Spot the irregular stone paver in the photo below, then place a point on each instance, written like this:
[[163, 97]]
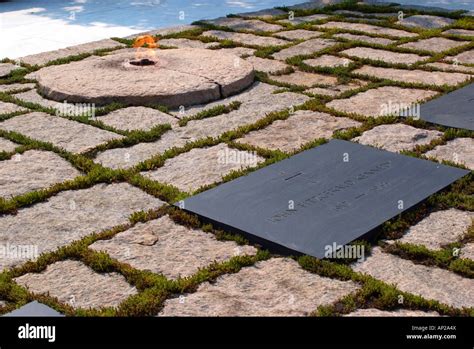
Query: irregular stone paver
[[298, 34], [7, 68], [7, 145], [276, 287], [310, 5], [271, 66], [381, 101], [327, 61], [364, 38], [7, 108], [165, 31], [429, 282], [383, 55], [33, 170], [182, 76], [15, 87], [397, 137], [32, 96], [186, 43], [466, 57], [304, 19], [458, 150], [462, 32], [245, 39], [69, 135], [202, 166], [467, 251], [434, 44], [300, 128], [239, 51], [74, 283], [425, 21], [257, 102], [137, 118], [369, 20], [363, 14], [253, 25], [266, 14], [71, 215], [393, 313], [367, 28], [414, 76], [334, 91], [439, 228], [167, 248], [45, 57], [451, 67], [130, 156], [305, 48], [304, 79]]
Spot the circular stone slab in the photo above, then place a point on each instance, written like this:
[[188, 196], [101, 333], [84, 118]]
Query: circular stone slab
[[179, 77]]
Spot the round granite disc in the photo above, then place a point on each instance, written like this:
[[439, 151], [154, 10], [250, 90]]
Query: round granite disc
[[179, 77]]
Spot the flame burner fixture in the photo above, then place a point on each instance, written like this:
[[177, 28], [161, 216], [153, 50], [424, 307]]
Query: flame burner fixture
[[142, 62]]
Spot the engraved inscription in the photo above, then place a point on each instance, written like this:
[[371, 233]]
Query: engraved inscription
[[326, 194]]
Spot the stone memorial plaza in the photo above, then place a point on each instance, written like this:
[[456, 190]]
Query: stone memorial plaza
[[99, 148]]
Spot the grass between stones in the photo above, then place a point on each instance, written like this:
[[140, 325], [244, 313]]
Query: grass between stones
[[154, 289], [208, 113]]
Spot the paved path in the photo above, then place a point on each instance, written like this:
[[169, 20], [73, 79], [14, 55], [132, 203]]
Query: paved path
[[92, 193]]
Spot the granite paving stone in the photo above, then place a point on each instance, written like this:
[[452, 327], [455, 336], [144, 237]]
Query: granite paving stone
[[397, 137], [45, 57], [367, 28], [305, 48], [74, 283], [383, 55], [298, 34], [327, 61], [270, 66], [245, 39], [301, 127], [429, 282], [137, 118], [305, 79], [434, 44], [33, 170], [276, 287], [69, 216], [425, 21], [364, 38], [167, 248], [386, 100], [438, 229], [202, 166], [458, 150], [7, 108], [252, 25], [70, 135], [414, 76]]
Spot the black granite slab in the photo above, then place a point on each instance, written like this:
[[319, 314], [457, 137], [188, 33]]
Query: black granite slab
[[316, 198], [455, 109], [34, 309]]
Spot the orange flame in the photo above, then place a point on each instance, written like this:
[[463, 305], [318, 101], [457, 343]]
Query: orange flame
[[145, 45]]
